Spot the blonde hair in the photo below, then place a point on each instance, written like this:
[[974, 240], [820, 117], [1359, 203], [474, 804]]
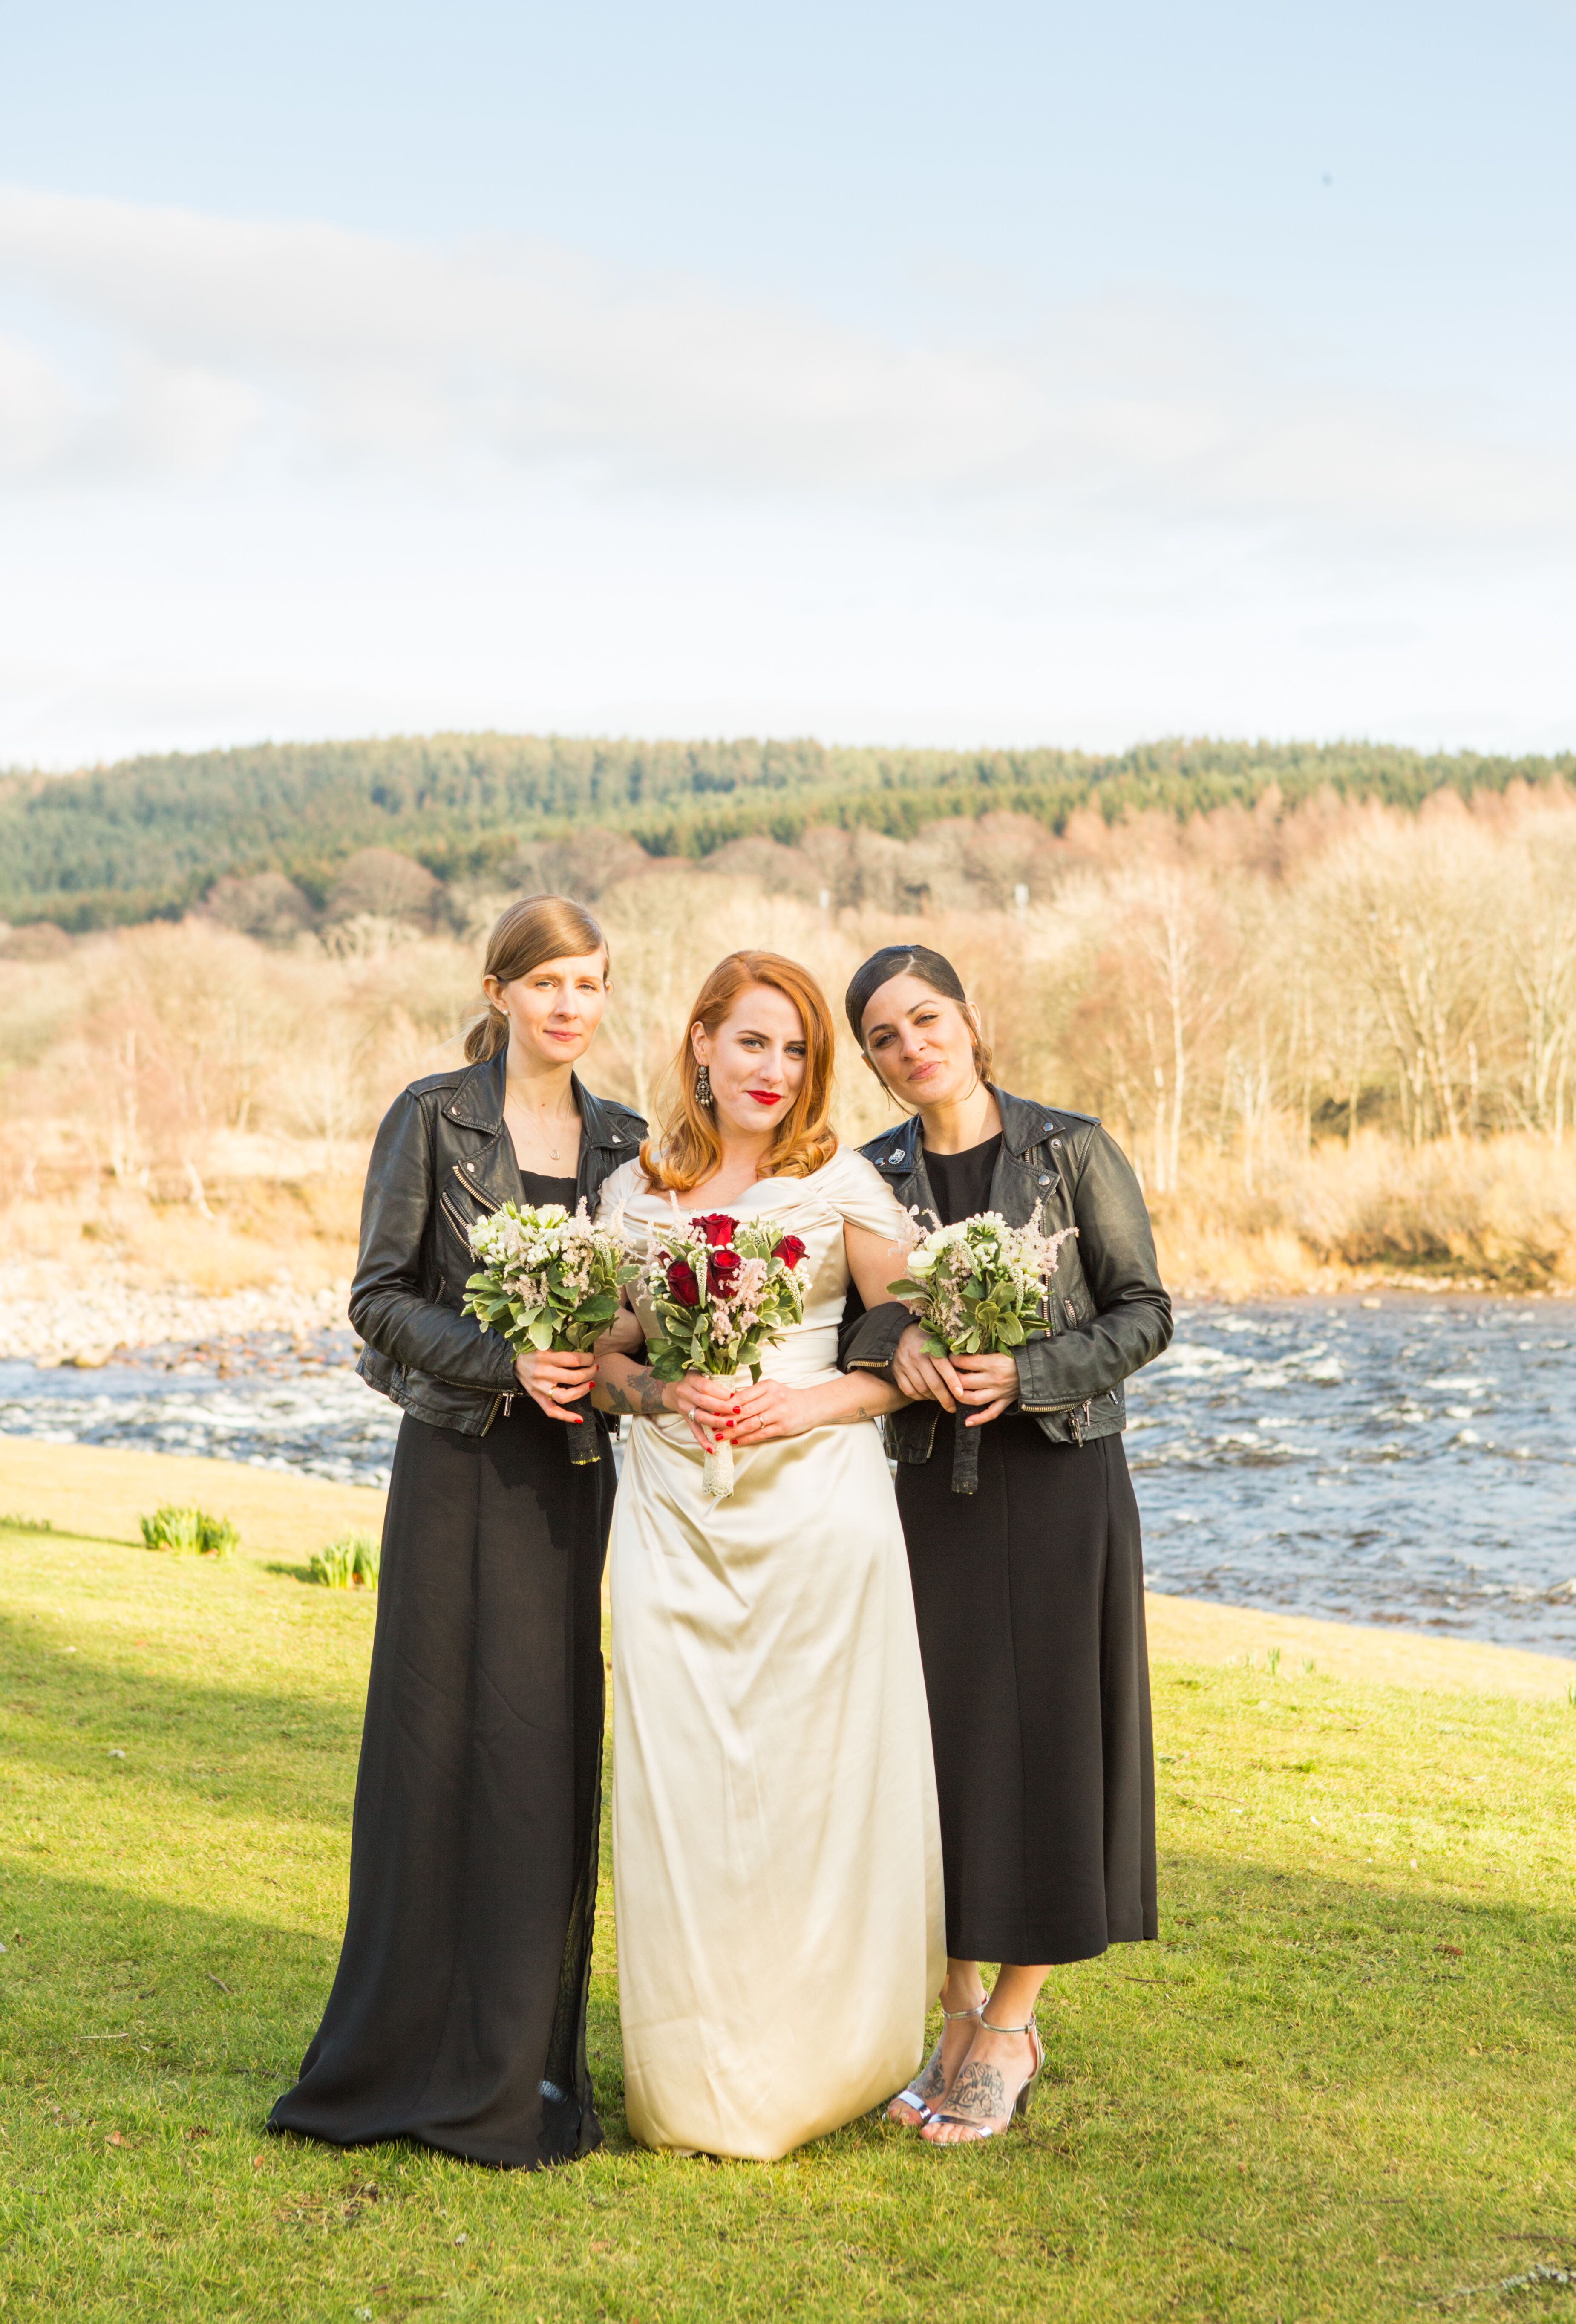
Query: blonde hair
[[524, 935], [690, 1149]]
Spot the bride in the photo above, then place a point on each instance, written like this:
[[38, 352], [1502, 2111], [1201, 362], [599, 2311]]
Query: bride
[[776, 1851]]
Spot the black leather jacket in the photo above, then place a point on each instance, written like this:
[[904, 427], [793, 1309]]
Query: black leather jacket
[[1109, 1312], [442, 1158]]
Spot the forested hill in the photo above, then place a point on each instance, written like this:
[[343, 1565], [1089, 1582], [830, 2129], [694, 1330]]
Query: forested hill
[[150, 836]]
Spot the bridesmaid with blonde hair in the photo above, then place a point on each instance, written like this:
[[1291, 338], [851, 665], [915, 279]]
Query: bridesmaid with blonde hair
[[457, 2015], [776, 1849]]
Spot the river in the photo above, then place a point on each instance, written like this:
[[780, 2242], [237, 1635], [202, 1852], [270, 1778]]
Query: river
[[1409, 1463]]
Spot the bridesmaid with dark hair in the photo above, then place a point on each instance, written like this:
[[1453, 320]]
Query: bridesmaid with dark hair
[[457, 2015], [1030, 1587]]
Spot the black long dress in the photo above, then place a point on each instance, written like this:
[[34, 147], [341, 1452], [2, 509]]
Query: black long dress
[[1029, 1597], [458, 2015]]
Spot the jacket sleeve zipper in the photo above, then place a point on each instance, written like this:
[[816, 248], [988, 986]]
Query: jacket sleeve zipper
[[1082, 1416]]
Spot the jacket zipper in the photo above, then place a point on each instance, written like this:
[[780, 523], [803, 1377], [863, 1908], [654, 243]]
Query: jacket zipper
[[474, 1191], [476, 1196], [453, 1218], [1081, 1416]]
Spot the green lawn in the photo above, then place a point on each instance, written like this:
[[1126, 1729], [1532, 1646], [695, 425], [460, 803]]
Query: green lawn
[[1343, 2087]]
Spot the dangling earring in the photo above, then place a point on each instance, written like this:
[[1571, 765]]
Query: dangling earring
[[703, 1086]]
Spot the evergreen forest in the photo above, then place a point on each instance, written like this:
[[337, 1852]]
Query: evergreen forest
[[150, 837]]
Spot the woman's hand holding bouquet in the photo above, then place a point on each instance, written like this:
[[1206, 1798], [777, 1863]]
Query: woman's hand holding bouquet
[[978, 1291], [724, 1290], [549, 1283]]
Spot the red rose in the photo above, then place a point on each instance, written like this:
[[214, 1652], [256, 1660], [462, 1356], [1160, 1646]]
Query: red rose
[[716, 1226], [681, 1282], [723, 1272], [790, 1250]]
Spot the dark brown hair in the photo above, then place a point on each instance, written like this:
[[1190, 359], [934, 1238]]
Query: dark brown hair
[[690, 1148], [536, 928], [932, 968]]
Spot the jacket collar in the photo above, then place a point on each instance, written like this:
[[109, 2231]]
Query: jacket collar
[[477, 1103], [899, 1151], [1023, 1122], [1023, 1125], [614, 1127], [476, 1100]]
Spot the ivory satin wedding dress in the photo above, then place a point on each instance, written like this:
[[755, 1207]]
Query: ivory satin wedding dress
[[776, 1861]]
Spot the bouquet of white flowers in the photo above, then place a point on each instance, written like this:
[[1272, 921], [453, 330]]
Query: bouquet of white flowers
[[549, 1278], [724, 1290], [979, 1288]]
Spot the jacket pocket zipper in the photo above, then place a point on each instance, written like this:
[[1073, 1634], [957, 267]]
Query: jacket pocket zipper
[[455, 1219], [474, 1192]]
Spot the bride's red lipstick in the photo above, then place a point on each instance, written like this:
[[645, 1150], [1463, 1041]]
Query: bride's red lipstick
[[765, 1097]]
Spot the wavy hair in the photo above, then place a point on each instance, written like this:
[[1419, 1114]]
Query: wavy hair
[[525, 934], [690, 1149]]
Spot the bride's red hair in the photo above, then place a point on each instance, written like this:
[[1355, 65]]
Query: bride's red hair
[[690, 1150]]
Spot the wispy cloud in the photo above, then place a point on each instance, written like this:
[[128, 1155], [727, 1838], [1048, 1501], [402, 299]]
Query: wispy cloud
[[145, 341]]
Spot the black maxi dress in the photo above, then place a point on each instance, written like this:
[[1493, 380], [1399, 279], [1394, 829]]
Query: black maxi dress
[[1029, 1598], [458, 2015]]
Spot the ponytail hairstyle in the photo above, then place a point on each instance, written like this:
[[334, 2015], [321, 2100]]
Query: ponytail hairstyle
[[932, 968], [690, 1149], [525, 934]]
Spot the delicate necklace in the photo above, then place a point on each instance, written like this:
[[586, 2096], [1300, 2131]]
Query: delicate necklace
[[540, 1124]]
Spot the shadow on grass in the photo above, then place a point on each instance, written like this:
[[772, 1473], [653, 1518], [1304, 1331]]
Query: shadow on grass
[[67, 1711], [45, 1532], [103, 1982], [104, 1988], [355, 1589]]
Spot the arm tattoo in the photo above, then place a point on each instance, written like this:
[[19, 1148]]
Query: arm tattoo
[[643, 1393]]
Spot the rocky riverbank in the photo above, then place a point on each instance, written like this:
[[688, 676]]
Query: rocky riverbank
[[83, 1322]]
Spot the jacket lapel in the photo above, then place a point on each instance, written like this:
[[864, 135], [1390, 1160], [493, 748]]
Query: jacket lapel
[[900, 1160], [605, 1141], [488, 1168]]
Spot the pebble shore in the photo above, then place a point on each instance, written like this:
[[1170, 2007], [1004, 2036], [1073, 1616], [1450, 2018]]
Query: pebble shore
[[85, 1324]]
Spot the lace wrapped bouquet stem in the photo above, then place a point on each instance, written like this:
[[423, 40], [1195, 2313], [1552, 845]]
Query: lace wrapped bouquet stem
[[548, 1279], [724, 1290], [978, 1287]]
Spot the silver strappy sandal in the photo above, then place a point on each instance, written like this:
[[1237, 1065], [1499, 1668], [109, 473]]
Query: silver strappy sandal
[[976, 2130], [930, 2078]]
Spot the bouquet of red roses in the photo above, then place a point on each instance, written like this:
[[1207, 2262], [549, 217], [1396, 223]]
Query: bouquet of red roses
[[724, 1290]]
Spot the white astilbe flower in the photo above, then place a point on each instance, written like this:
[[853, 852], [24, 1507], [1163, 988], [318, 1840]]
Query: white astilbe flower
[[548, 1277], [980, 1286]]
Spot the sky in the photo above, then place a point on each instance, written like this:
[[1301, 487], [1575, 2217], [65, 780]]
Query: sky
[[997, 375]]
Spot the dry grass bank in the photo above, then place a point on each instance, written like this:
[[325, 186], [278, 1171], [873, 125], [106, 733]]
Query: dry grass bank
[[90, 1267], [1496, 1214], [185, 1110]]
